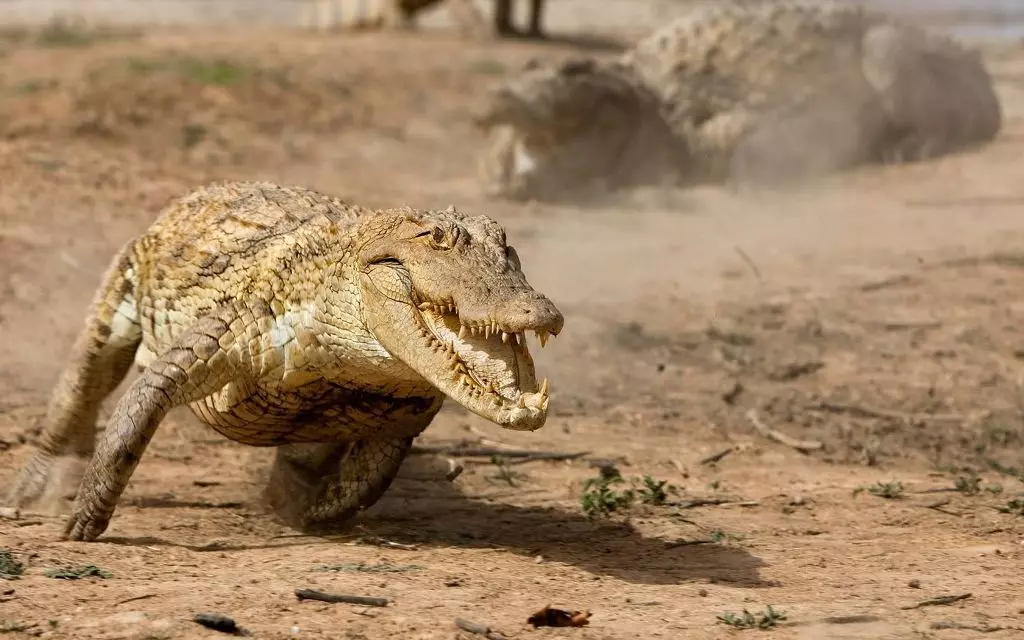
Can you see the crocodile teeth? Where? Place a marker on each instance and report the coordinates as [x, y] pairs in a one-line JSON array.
[[543, 337], [504, 337], [533, 401], [487, 331], [544, 387], [462, 331]]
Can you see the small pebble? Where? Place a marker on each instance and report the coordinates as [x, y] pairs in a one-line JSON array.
[[914, 584], [702, 593]]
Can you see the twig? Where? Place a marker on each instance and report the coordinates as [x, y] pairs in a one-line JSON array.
[[717, 456], [941, 625], [885, 283], [680, 468], [872, 412], [478, 629], [750, 263], [672, 544], [461, 451], [941, 600], [937, 506], [898, 325], [313, 594], [803, 446], [364, 612], [702, 502], [144, 596], [454, 470]]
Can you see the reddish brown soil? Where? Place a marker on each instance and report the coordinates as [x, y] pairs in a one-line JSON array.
[[877, 313]]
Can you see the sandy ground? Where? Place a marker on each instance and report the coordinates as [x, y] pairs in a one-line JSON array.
[[876, 313]]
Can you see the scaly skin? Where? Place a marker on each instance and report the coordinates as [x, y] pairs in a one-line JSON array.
[[286, 318], [752, 91]]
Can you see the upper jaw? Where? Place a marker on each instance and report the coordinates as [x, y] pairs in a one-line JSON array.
[[510, 333]]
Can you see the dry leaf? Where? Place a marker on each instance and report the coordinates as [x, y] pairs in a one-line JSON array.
[[548, 617]]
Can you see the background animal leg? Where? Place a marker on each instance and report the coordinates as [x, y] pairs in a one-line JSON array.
[[815, 139]]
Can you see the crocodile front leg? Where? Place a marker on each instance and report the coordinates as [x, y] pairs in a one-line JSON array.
[[315, 487], [202, 360]]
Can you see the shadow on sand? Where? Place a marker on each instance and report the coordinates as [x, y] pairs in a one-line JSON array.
[[434, 513]]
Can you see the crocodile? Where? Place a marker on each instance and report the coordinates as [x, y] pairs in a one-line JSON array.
[[740, 92], [283, 317]]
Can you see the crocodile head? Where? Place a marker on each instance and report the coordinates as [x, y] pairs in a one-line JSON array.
[[564, 127], [444, 294]]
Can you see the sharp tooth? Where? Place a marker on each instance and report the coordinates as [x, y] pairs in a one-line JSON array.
[[543, 337], [487, 331], [521, 401], [520, 337], [533, 400], [462, 331], [544, 387], [504, 337]]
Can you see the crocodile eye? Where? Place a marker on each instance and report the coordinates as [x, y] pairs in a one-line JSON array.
[[513, 258], [437, 235]]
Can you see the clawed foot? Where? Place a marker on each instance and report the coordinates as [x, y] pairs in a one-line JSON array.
[[86, 523], [48, 484]]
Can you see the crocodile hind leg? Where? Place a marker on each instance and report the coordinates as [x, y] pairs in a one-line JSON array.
[[100, 360], [826, 133], [316, 487], [937, 96]]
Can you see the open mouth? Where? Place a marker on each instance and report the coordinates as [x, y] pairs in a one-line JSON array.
[[489, 364]]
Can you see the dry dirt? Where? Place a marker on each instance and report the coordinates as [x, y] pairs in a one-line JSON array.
[[873, 313]]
